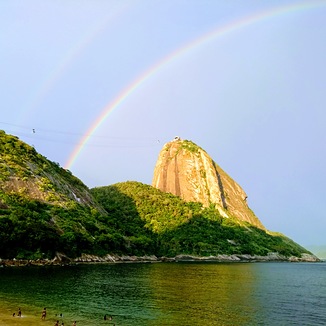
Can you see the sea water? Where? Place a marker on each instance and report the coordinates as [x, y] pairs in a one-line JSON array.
[[170, 293]]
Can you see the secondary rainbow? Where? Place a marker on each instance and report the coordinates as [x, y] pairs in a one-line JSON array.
[[62, 66], [206, 38]]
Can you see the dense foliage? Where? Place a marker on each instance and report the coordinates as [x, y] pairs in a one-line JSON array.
[[21, 160], [44, 209], [170, 226]]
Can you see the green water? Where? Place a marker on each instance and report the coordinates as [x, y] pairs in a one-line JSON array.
[[172, 294]]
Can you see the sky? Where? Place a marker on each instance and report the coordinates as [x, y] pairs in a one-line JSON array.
[[100, 86]]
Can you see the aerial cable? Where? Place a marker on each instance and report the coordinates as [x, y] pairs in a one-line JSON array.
[[59, 132]]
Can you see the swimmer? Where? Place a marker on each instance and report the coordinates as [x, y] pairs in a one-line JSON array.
[[43, 314]]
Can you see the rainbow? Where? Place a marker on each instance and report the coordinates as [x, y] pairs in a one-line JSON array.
[[68, 58], [201, 41]]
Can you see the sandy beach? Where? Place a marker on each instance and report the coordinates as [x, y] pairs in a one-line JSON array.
[[29, 318]]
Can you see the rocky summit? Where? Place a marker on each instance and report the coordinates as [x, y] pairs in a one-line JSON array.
[[186, 170], [48, 216]]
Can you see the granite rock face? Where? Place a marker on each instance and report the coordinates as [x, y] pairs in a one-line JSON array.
[[186, 170]]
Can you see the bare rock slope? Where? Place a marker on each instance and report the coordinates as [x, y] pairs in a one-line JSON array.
[[186, 170]]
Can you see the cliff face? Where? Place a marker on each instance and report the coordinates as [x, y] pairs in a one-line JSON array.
[[46, 212], [186, 170]]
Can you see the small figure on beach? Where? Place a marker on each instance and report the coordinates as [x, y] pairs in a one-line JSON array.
[[62, 324], [105, 317], [56, 323], [43, 314], [74, 323], [14, 314], [19, 313]]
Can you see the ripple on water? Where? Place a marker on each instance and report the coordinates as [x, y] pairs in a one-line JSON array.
[[167, 294]]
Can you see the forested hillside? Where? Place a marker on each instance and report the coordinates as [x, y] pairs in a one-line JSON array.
[[45, 210], [166, 225]]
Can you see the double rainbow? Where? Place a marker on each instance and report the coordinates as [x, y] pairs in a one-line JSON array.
[[201, 41]]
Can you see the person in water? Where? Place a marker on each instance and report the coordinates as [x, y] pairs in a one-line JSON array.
[[43, 314], [106, 318]]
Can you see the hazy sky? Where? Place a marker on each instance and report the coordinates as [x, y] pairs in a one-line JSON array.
[[245, 80]]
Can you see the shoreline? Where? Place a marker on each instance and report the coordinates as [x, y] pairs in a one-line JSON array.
[[30, 318], [62, 260]]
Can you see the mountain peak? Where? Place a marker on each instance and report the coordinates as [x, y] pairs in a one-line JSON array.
[[186, 170]]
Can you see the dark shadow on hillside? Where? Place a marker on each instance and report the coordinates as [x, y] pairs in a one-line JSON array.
[[220, 185], [205, 237], [125, 219], [203, 232]]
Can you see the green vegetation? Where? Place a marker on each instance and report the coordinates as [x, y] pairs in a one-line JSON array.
[[44, 209], [190, 146], [175, 226], [21, 161]]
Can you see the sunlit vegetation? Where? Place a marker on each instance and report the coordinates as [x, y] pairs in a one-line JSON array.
[[44, 209], [178, 227]]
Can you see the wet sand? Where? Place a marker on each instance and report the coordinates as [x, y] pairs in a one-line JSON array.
[[27, 319]]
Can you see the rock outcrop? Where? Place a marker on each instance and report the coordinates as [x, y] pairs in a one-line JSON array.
[[27, 173], [186, 170]]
